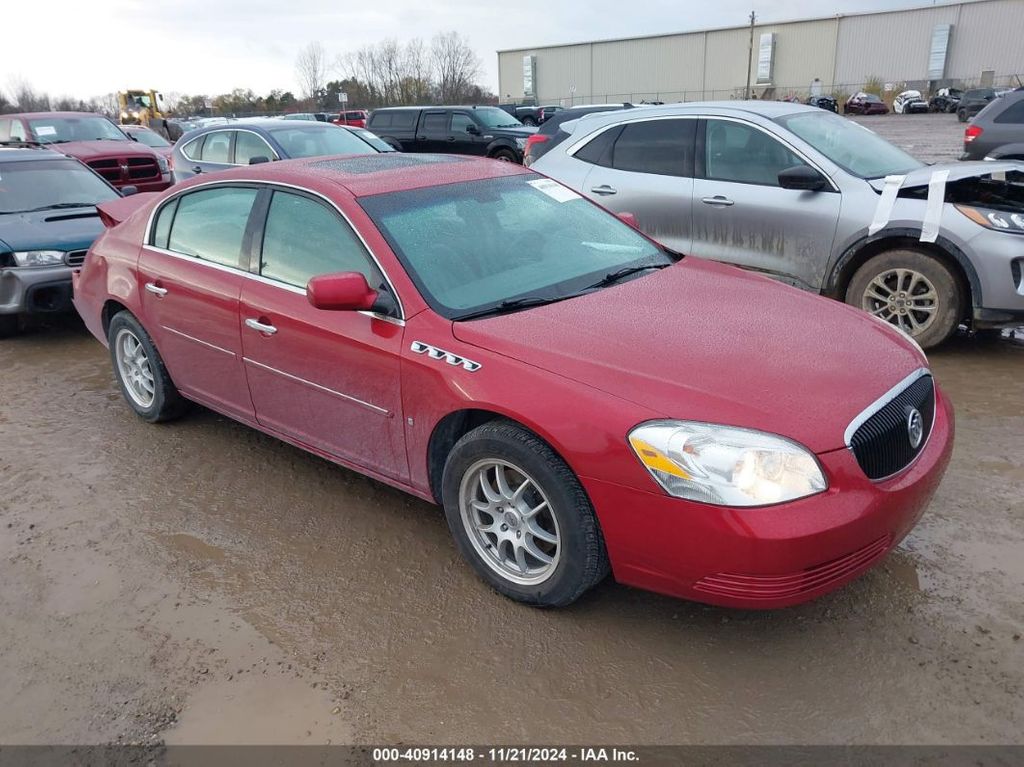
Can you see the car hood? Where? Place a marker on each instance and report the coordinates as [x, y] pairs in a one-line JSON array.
[[96, 150], [524, 132], [958, 171], [708, 342], [65, 229]]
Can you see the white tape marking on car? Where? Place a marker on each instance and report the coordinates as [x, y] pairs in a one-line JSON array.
[[886, 201], [933, 210], [554, 190], [999, 175]]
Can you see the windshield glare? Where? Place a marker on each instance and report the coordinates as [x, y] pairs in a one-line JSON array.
[[849, 145], [35, 184], [86, 128], [312, 141], [492, 117], [484, 242]]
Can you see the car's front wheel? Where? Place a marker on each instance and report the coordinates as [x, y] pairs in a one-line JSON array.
[[505, 155], [521, 517], [911, 290], [140, 371]]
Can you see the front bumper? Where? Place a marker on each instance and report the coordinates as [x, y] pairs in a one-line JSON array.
[[774, 556], [165, 182], [998, 259], [35, 290]]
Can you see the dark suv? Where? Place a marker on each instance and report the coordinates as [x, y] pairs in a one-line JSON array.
[[973, 101], [997, 133], [476, 130]]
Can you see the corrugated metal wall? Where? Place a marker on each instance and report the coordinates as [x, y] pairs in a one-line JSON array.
[[842, 51]]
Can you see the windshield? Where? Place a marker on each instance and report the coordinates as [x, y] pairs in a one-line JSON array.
[[35, 184], [314, 141], [849, 145], [150, 138], [492, 117], [373, 140], [54, 130], [473, 245]]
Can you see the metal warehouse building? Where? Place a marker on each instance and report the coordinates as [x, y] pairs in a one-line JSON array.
[[965, 44]]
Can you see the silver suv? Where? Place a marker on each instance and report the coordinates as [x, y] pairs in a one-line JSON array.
[[815, 200]]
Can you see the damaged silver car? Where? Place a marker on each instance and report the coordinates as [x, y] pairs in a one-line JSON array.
[[815, 200]]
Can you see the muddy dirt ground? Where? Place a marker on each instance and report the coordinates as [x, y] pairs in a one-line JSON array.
[[198, 582]]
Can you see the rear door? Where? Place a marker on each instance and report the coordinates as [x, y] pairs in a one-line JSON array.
[[191, 274], [432, 131], [328, 379], [742, 216], [645, 167]]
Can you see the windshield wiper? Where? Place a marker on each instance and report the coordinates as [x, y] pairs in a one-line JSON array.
[[513, 304], [612, 277], [55, 206]]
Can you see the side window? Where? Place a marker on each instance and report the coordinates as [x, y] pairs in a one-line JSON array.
[[210, 224], [217, 146], [381, 120], [162, 226], [193, 150], [304, 238], [18, 131], [1013, 114], [249, 145], [460, 122], [598, 150], [404, 119], [664, 147], [435, 122], [744, 154]]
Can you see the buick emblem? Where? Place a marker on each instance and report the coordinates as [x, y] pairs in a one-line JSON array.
[[915, 427]]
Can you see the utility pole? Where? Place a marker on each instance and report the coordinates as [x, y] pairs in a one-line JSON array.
[[750, 52]]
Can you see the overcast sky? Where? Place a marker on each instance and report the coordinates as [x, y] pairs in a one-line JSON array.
[[212, 46]]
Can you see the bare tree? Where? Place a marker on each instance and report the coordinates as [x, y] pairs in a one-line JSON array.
[[27, 98], [456, 66], [311, 70]]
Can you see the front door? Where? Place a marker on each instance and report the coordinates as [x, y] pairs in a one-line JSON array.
[[465, 136], [328, 379], [742, 216], [190, 279]]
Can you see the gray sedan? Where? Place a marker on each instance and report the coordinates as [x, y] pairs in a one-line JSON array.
[[815, 200]]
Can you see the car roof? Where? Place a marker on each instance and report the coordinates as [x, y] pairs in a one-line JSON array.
[[437, 106], [56, 114], [371, 174], [21, 154]]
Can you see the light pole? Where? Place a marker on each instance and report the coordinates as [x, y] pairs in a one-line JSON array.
[[750, 53]]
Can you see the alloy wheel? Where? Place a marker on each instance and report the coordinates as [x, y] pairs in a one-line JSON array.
[[509, 521], [902, 297], [134, 368]]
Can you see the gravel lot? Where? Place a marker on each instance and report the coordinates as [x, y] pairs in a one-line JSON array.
[[928, 137], [199, 582]]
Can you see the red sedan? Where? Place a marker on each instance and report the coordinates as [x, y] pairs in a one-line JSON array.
[[578, 398]]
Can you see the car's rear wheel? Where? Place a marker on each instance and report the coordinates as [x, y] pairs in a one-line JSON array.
[[505, 155], [911, 290], [140, 371], [529, 122], [520, 516], [9, 325]]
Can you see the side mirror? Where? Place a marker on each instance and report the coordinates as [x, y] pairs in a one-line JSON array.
[[128, 191], [801, 177], [629, 218], [258, 159], [343, 291], [473, 128]]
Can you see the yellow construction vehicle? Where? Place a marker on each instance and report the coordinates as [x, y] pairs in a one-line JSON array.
[[139, 107]]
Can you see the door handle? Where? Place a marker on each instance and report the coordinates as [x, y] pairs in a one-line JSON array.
[[604, 190], [196, 169], [718, 200], [452, 139], [156, 290], [260, 326]]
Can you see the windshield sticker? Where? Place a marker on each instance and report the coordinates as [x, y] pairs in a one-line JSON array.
[[554, 190], [46, 130], [933, 210], [885, 203]]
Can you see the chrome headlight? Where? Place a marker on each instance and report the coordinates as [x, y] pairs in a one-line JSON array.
[[162, 164], [725, 465], [999, 220], [38, 257], [521, 143]]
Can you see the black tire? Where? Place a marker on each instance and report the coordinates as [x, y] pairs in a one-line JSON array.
[[529, 122], [582, 560], [9, 325], [948, 306], [505, 155], [167, 403]]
